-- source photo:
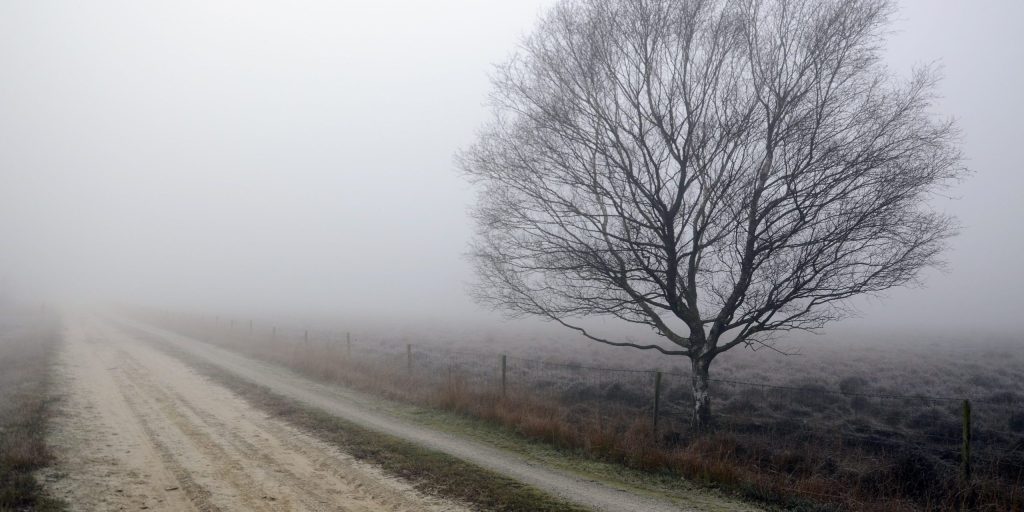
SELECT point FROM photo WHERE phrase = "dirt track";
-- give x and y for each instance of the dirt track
(360, 409)
(139, 430)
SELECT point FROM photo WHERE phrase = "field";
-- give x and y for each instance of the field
(27, 341)
(844, 426)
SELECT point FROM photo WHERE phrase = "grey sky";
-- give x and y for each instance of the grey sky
(297, 156)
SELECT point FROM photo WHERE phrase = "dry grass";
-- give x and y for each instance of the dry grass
(862, 454)
(27, 343)
(430, 471)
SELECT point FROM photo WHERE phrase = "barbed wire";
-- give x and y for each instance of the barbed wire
(993, 446)
(433, 351)
(337, 336)
(579, 366)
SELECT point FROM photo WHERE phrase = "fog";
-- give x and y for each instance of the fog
(296, 158)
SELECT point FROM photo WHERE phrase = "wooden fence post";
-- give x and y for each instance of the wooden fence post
(657, 402)
(348, 345)
(408, 357)
(305, 335)
(504, 367)
(965, 459)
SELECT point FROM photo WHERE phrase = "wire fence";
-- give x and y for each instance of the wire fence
(990, 438)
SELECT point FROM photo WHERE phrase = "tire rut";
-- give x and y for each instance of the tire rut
(138, 413)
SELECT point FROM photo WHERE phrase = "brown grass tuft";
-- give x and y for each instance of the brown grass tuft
(26, 347)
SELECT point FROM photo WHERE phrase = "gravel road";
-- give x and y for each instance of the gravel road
(139, 430)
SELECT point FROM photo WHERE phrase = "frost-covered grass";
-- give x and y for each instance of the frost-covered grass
(27, 344)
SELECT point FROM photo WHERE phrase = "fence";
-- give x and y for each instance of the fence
(960, 436)
(944, 425)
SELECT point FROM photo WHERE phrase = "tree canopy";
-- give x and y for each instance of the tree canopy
(716, 170)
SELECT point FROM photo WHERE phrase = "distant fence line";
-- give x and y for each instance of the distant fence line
(321, 335)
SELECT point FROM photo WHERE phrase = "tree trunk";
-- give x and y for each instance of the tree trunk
(701, 396)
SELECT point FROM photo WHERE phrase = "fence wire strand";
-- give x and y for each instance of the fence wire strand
(572, 384)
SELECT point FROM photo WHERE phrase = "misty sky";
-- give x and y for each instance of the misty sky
(297, 156)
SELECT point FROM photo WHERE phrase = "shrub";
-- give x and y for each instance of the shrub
(1006, 398)
(852, 385)
(1016, 422)
(984, 381)
(914, 474)
(859, 403)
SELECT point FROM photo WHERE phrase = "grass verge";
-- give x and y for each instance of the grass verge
(663, 485)
(27, 344)
(704, 494)
(802, 446)
(429, 471)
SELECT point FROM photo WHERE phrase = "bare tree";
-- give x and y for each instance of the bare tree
(717, 170)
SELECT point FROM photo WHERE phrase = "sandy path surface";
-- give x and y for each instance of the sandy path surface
(359, 408)
(139, 430)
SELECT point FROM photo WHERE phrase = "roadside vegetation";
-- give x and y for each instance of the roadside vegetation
(805, 442)
(27, 344)
(429, 471)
